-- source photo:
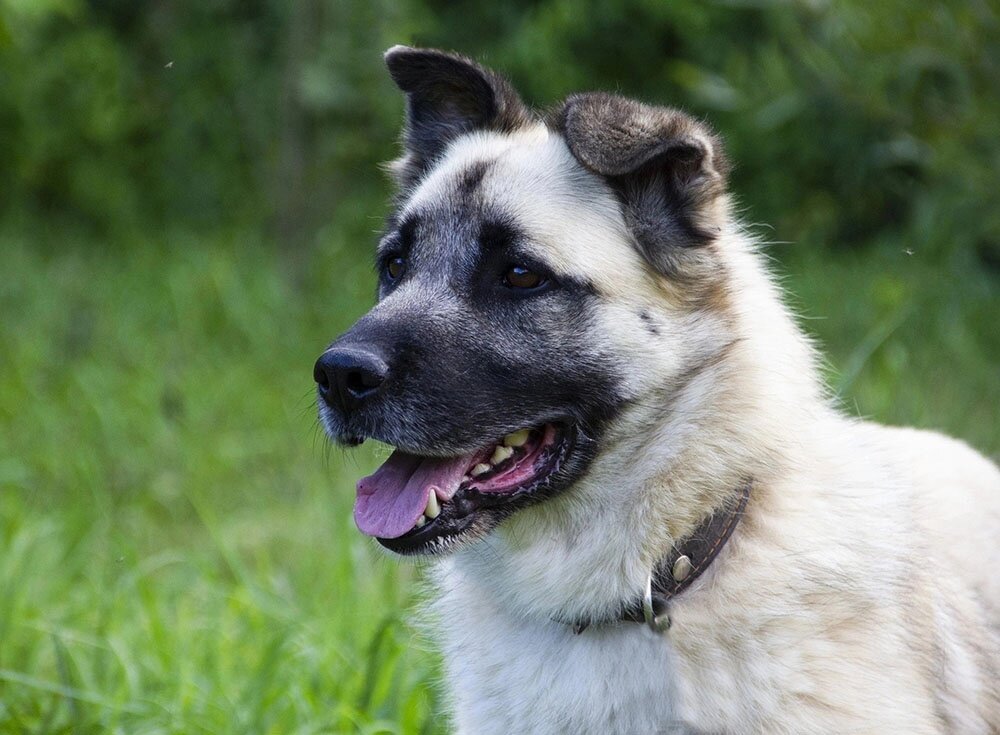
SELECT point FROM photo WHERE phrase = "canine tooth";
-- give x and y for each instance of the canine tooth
(420, 522)
(516, 438)
(433, 510)
(500, 454)
(479, 469)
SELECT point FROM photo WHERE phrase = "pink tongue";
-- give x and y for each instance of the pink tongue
(391, 501)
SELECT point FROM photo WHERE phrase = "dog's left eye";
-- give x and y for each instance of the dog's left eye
(517, 276)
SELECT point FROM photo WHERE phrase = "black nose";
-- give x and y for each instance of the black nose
(347, 376)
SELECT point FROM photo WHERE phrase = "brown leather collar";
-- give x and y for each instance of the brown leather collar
(679, 569)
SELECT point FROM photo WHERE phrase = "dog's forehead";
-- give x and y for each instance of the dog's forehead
(530, 180)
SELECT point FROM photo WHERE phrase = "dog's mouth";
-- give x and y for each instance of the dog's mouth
(416, 504)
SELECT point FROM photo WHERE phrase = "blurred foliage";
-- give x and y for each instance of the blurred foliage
(845, 120)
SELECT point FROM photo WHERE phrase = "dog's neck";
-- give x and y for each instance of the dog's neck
(681, 568)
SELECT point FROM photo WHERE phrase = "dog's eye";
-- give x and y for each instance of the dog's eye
(518, 276)
(395, 267)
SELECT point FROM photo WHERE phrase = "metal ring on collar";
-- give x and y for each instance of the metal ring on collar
(656, 623)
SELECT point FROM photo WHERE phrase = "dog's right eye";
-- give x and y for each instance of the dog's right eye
(394, 268)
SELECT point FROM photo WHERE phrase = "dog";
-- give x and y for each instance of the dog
(645, 513)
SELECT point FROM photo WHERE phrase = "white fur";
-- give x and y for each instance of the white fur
(861, 592)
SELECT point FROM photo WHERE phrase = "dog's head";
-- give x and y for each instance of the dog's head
(546, 284)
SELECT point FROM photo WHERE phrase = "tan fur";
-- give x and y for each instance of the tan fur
(861, 592)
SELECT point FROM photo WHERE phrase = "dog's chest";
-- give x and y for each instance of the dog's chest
(507, 674)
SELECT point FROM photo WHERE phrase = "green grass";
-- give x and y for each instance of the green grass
(177, 553)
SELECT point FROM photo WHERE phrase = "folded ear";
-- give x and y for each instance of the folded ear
(667, 169)
(446, 96)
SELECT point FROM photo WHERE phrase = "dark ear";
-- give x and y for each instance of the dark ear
(667, 169)
(447, 95)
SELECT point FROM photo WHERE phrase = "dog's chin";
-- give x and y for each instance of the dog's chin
(490, 484)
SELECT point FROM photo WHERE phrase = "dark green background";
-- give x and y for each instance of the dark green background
(847, 121)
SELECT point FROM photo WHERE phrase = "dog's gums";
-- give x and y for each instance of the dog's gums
(415, 504)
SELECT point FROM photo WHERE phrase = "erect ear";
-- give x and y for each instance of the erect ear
(447, 95)
(667, 169)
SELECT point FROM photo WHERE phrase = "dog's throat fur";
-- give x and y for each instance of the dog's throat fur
(677, 571)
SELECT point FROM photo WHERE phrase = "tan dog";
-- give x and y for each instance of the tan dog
(655, 520)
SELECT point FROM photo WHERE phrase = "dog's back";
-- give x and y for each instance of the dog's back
(956, 493)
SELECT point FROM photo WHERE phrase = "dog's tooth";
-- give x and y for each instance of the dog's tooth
(433, 509)
(420, 522)
(516, 438)
(500, 454)
(479, 469)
